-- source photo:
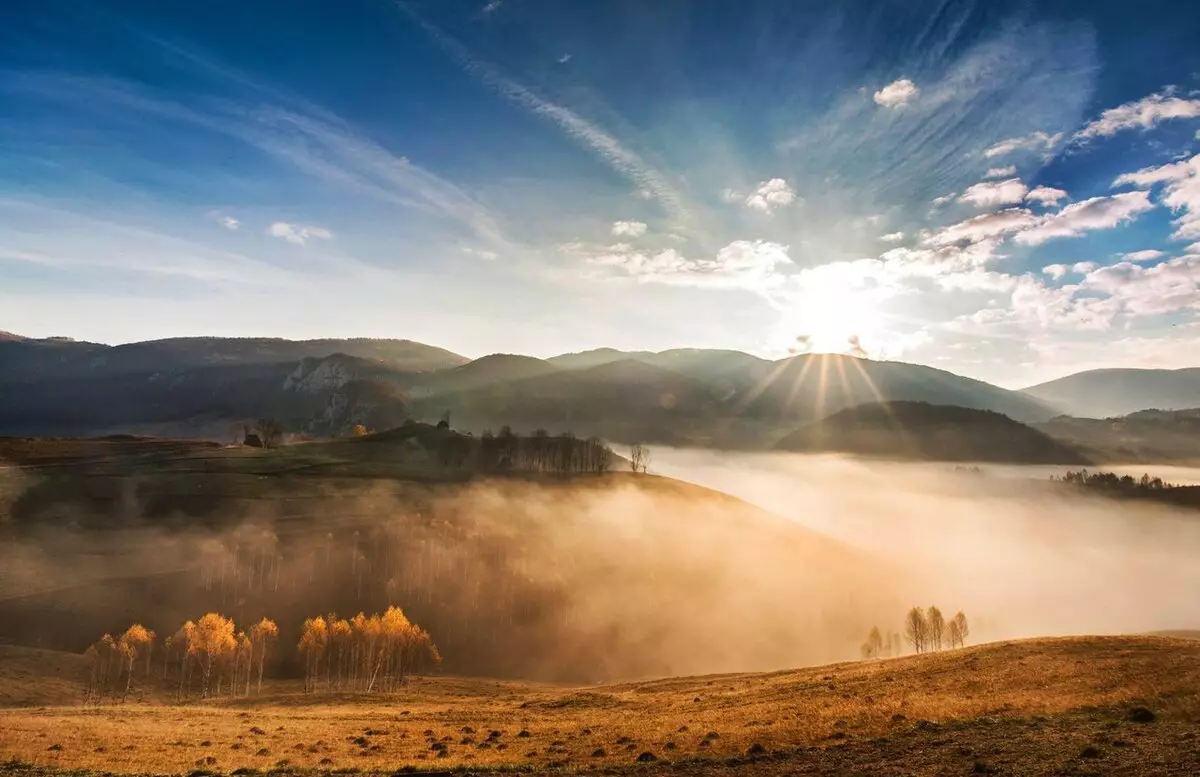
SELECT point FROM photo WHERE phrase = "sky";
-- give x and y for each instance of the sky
(1009, 191)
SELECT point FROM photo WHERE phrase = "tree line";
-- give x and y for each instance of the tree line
(1112, 481)
(507, 451)
(924, 631)
(364, 653)
(212, 657)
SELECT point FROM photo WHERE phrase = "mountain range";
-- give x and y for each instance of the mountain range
(204, 386)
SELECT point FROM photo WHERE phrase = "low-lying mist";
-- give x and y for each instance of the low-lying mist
(1022, 555)
(603, 578)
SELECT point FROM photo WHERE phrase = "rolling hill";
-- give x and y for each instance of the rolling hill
(1144, 436)
(917, 430)
(1118, 392)
(201, 387)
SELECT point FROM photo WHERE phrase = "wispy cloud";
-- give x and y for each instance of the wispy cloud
(1035, 141)
(1087, 215)
(1046, 195)
(607, 147)
(1181, 192)
(897, 94)
(892, 237)
(1141, 114)
(1147, 255)
(297, 233)
(229, 222)
(742, 264)
(988, 193)
(1001, 172)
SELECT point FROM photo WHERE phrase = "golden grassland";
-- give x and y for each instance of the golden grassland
(960, 710)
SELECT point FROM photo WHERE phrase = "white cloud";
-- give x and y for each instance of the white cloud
(988, 193)
(1001, 172)
(897, 94)
(742, 264)
(1148, 255)
(892, 237)
(1033, 142)
(564, 59)
(1141, 114)
(1095, 213)
(1046, 195)
(987, 225)
(482, 253)
(939, 201)
(297, 233)
(1166, 287)
(729, 195)
(770, 195)
(1056, 271)
(1181, 192)
(229, 222)
(492, 6)
(629, 228)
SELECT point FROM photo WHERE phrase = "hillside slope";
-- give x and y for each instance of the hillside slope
(1118, 392)
(918, 430)
(1144, 436)
(1082, 705)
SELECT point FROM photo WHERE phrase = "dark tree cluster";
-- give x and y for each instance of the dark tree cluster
(1111, 481)
(507, 451)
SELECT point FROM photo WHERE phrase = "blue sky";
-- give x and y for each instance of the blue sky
(1006, 190)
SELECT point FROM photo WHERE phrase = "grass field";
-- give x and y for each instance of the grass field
(1052, 706)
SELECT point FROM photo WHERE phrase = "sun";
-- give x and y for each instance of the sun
(832, 320)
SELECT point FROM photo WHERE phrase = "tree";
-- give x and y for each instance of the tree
(314, 636)
(639, 457)
(953, 634)
(359, 430)
(916, 628)
(262, 635)
(875, 641)
(137, 642)
(269, 431)
(211, 641)
(937, 627)
(960, 622)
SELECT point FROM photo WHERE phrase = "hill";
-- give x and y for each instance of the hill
(1101, 705)
(1118, 392)
(1145, 436)
(918, 430)
(499, 566)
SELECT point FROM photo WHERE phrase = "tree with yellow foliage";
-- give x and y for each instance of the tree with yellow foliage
(211, 640)
(314, 637)
(135, 643)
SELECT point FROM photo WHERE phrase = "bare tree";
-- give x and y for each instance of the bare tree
(937, 627)
(960, 622)
(270, 431)
(639, 457)
(916, 628)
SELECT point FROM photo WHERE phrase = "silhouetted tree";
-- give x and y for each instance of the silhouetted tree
(270, 431)
(961, 628)
(916, 628)
(639, 457)
(936, 627)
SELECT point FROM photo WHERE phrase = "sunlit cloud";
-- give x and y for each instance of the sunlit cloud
(989, 193)
(629, 228)
(1181, 192)
(1035, 141)
(897, 94)
(297, 233)
(1045, 195)
(772, 194)
(1001, 172)
(1092, 214)
(1142, 114)
(1147, 255)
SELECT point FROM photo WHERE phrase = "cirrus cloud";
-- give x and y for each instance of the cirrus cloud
(298, 234)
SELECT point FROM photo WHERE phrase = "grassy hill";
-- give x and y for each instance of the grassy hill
(1118, 392)
(1103, 705)
(524, 574)
(1145, 436)
(918, 430)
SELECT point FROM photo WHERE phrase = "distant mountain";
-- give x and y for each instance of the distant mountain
(699, 397)
(25, 359)
(812, 386)
(1118, 392)
(921, 431)
(1144, 436)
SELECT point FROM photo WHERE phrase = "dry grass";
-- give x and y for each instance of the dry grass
(449, 722)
